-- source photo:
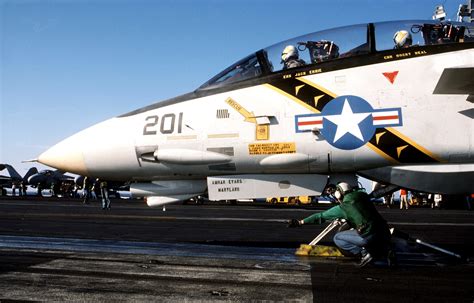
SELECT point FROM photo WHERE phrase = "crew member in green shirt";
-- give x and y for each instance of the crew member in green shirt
(369, 235)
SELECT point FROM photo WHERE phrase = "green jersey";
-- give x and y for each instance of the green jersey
(359, 212)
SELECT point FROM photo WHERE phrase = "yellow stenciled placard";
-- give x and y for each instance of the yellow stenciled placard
(272, 148)
(263, 132)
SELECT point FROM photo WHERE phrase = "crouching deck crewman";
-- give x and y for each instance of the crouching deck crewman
(369, 236)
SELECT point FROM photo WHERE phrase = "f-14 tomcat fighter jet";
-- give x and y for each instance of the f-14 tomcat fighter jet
(390, 101)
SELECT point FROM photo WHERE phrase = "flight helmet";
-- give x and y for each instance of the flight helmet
(289, 52)
(402, 39)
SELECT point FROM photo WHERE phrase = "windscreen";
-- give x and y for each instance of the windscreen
(342, 42)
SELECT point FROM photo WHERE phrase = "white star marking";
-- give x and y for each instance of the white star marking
(347, 122)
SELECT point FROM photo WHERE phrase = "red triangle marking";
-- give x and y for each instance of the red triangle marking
(391, 76)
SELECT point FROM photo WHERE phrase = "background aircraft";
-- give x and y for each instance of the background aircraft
(49, 179)
(14, 178)
(3, 178)
(358, 105)
(4, 181)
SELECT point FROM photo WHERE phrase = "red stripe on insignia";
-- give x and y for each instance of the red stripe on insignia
(309, 123)
(385, 117)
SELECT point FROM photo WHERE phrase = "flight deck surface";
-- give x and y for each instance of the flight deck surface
(62, 250)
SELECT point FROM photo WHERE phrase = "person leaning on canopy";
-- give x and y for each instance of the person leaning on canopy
(369, 235)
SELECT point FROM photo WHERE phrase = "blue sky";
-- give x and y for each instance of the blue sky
(66, 65)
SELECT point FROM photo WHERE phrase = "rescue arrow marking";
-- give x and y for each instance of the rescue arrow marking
(249, 116)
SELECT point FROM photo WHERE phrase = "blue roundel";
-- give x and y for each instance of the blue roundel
(347, 122)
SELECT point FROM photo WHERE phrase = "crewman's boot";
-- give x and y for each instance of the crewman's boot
(366, 258)
(391, 258)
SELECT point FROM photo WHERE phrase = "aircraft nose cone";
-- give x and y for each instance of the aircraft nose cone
(66, 156)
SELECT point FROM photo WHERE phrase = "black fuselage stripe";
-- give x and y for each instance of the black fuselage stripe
(305, 94)
(388, 143)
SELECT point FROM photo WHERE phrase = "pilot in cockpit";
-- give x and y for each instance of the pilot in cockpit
(402, 39)
(290, 58)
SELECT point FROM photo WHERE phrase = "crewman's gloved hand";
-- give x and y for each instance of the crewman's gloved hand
(294, 223)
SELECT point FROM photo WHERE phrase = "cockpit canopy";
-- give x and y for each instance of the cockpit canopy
(342, 42)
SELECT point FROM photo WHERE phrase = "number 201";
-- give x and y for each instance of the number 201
(167, 125)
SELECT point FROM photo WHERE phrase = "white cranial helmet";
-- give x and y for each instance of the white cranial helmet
(288, 52)
(402, 38)
(341, 189)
